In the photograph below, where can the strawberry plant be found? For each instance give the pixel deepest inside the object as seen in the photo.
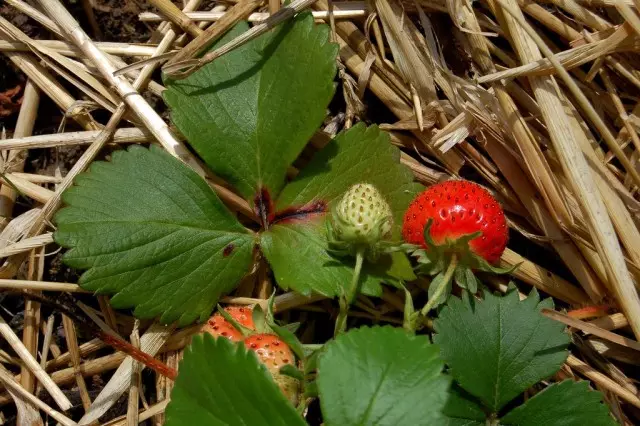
(153, 234)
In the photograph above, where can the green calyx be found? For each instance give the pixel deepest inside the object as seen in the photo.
(449, 262)
(436, 257)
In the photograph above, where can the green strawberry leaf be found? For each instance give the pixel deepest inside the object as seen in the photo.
(222, 383)
(381, 376)
(567, 403)
(499, 347)
(151, 231)
(250, 113)
(296, 244)
(359, 154)
(462, 410)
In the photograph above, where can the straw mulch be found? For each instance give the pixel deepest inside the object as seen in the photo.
(537, 100)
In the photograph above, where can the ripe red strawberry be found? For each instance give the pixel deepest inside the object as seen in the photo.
(217, 326)
(460, 228)
(458, 208)
(274, 354)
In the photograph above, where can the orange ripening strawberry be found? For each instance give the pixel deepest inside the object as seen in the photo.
(218, 326)
(458, 208)
(274, 354)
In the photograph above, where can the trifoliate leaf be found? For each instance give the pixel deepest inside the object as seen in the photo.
(151, 231)
(567, 403)
(222, 383)
(462, 410)
(382, 376)
(250, 113)
(296, 244)
(498, 347)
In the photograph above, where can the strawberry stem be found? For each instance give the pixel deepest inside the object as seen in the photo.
(346, 300)
(448, 275)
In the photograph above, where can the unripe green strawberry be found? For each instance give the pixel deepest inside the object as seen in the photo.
(362, 216)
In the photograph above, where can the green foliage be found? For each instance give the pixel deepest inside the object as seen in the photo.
(153, 233)
(297, 253)
(499, 347)
(462, 410)
(222, 383)
(249, 113)
(567, 403)
(360, 154)
(298, 250)
(381, 376)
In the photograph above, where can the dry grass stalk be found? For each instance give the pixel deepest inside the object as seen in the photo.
(26, 245)
(527, 42)
(146, 414)
(31, 363)
(615, 352)
(150, 342)
(171, 12)
(592, 329)
(342, 10)
(133, 415)
(46, 344)
(108, 313)
(408, 57)
(35, 14)
(40, 286)
(35, 178)
(542, 279)
(395, 102)
(63, 359)
(602, 380)
(609, 188)
(13, 161)
(31, 190)
(68, 49)
(121, 136)
(27, 414)
(31, 329)
(133, 99)
(8, 382)
(206, 38)
(70, 70)
(72, 344)
(610, 322)
(569, 59)
(594, 357)
(53, 347)
(50, 86)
